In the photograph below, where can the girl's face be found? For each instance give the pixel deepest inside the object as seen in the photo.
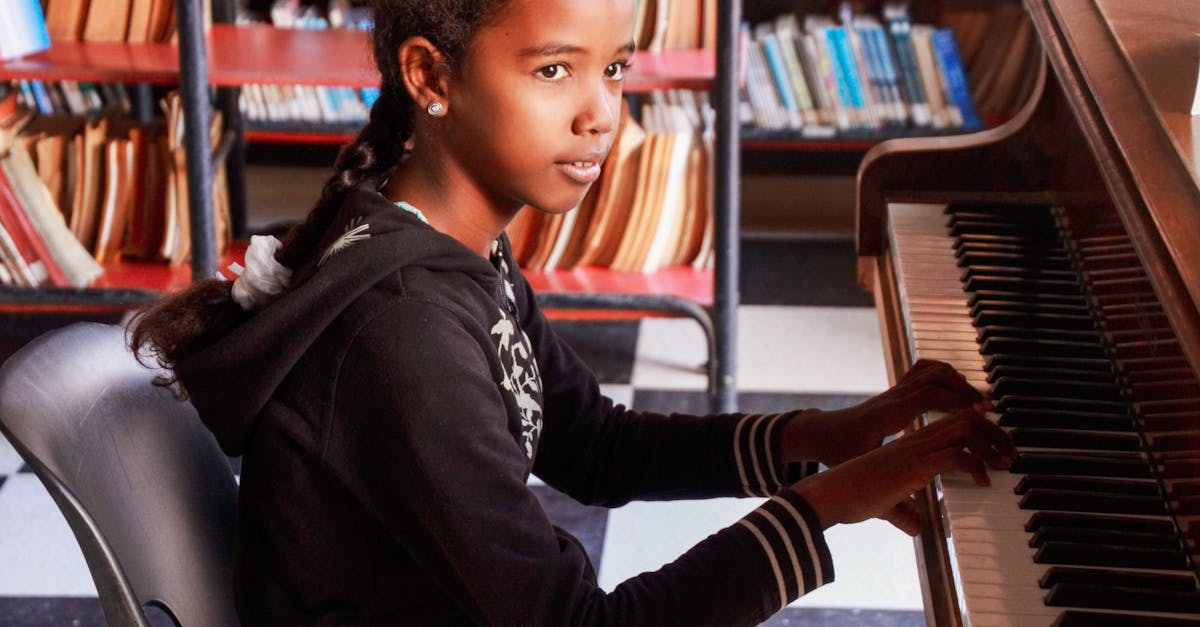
(536, 104)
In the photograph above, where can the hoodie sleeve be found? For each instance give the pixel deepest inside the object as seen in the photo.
(605, 454)
(423, 440)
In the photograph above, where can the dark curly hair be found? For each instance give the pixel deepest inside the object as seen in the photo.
(181, 325)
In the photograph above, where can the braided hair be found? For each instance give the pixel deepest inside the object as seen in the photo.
(182, 325)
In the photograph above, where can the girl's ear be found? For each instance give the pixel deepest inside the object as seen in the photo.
(424, 72)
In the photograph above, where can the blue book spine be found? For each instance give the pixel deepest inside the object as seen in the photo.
(945, 47)
(45, 105)
(22, 28)
(839, 74)
(770, 46)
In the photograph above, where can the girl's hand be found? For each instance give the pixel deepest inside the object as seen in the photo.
(832, 437)
(872, 484)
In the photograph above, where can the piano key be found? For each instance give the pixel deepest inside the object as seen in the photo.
(1095, 502)
(1123, 598)
(1048, 348)
(1060, 419)
(1056, 388)
(1022, 299)
(1040, 361)
(1012, 260)
(1146, 524)
(1096, 376)
(1013, 401)
(1099, 536)
(1086, 464)
(1099, 576)
(1084, 554)
(1032, 437)
(986, 332)
(982, 304)
(987, 317)
(1141, 487)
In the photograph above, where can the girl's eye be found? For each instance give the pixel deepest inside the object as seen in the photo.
(616, 71)
(553, 72)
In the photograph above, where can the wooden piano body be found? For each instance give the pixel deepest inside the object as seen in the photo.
(1107, 148)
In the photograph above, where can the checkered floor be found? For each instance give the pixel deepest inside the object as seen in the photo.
(832, 357)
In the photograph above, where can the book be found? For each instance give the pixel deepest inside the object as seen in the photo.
(954, 77)
(65, 19)
(22, 28)
(79, 268)
(107, 20)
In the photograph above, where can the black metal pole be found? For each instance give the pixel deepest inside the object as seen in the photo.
(225, 12)
(726, 294)
(193, 85)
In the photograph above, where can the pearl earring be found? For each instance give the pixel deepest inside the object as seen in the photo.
(435, 109)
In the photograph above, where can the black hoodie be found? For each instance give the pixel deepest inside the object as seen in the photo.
(390, 407)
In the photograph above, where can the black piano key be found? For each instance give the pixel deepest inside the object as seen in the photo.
(1079, 618)
(1139, 487)
(1123, 598)
(1085, 554)
(986, 332)
(1049, 348)
(1041, 361)
(1101, 577)
(983, 305)
(980, 282)
(1044, 242)
(1084, 464)
(1100, 536)
(1023, 299)
(1034, 273)
(1027, 437)
(971, 258)
(1012, 401)
(1090, 376)
(969, 228)
(1095, 502)
(1058, 419)
(1056, 388)
(1099, 521)
(1035, 320)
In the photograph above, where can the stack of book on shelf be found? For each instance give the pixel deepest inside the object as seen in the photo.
(650, 208)
(862, 75)
(78, 98)
(675, 25)
(338, 110)
(79, 192)
(135, 21)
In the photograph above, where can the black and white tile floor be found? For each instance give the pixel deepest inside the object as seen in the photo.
(808, 338)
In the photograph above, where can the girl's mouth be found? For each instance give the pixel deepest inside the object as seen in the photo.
(584, 172)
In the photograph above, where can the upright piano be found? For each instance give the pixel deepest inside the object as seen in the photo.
(1055, 261)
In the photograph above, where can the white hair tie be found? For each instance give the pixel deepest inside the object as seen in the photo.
(263, 278)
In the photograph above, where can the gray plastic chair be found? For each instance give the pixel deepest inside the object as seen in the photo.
(145, 488)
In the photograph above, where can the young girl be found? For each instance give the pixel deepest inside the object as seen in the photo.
(391, 383)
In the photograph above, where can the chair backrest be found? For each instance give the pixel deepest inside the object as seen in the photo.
(145, 488)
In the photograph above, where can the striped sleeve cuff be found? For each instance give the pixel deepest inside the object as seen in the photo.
(756, 442)
(790, 535)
